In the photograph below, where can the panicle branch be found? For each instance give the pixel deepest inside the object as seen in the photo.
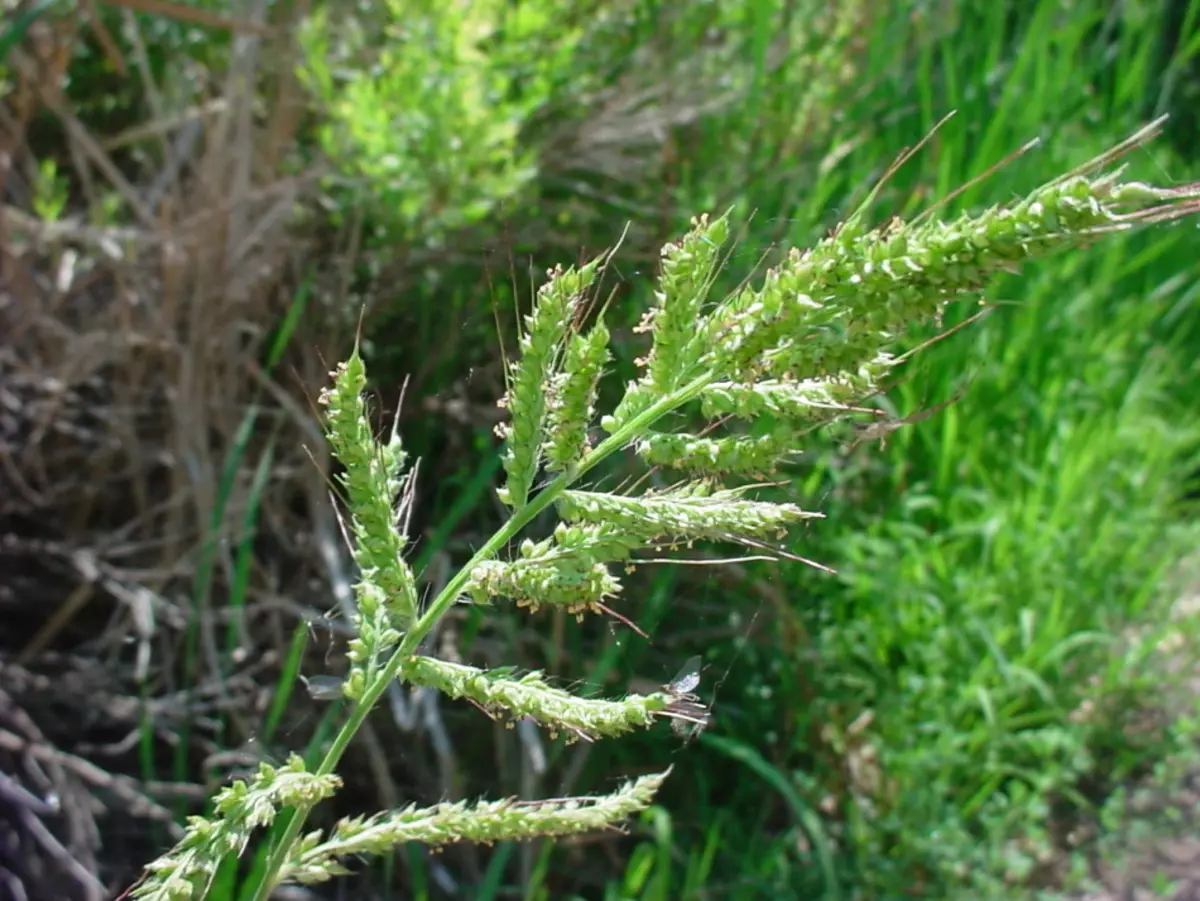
(487, 822)
(386, 592)
(690, 512)
(740, 455)
(534, 377)
(188, 870)
(832, 310)
(500, 694)
(568, 569)
(572, 398)
(675, 320)
(807, 400)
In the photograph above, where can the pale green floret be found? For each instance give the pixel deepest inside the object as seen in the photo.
(533, 374)
(573, 398)
(675, 320)
(736, 455)
(386, 592)
(530, 695)
(636, 399)
(485, 822)
(239, 809)
(574, 583)
(687, 272)
(810, 400)
(690, 512)
(565, 570)
(832, 309)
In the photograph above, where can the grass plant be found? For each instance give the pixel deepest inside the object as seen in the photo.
(807, 344)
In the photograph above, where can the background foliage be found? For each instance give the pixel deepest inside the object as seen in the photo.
(202, 199)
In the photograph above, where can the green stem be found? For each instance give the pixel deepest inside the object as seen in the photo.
(448, 595)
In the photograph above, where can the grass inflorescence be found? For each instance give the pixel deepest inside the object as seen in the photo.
(811, 342)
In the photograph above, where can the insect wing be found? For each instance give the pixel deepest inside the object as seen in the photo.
(324, 688)
(687, 680)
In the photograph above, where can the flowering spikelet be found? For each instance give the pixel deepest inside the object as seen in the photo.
(690, 512)
(831, 310)
(572, 398)
(793, 400)
(534, 373)
(734, 455)
(187, 871)
(485, 822)
(529, 695)
(386, 592)
(687, 271)
(565, 570)
(675, 319)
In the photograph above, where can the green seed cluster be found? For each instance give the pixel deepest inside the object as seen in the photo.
(833, 309)
(239, 809)
(572, 398)
(529, 695)
(687, 272)
(691, 512)
(485, 823)
(809, 400)
(386, 592)
(568, 569)
(684, 282)
(739, 455)
(533, 374)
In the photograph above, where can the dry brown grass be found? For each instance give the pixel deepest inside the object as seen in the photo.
(129, 358)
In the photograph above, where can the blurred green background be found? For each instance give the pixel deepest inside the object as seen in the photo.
(1002, 659)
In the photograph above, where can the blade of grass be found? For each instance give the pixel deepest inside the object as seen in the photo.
(235, 635)
(805, 816)
(288, 676)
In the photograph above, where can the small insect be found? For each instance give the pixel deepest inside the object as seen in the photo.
(324, 688)
(688, 715)
(882, 429)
